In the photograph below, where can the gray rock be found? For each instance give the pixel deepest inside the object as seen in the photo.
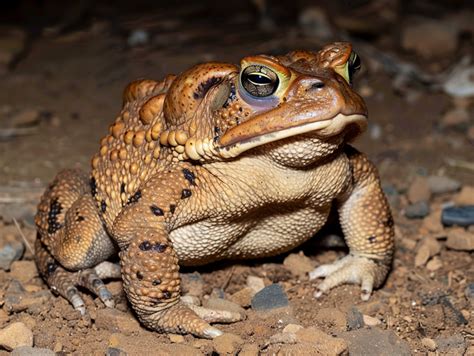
(270, 297)
(452, 345)
(442, 184)
(375, 342)
(417, 210)
(10, 251)
(469, 291)
(458, 215)
(355, 319)
(32, 351)
(113, 351)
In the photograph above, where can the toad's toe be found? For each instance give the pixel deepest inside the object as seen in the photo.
(350, 269)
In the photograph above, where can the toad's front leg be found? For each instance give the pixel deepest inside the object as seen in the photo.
(150, 269)
(367, 224)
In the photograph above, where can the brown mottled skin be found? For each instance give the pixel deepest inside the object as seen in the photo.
(220, 162)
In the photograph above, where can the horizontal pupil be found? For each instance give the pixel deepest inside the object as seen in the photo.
(259, 79)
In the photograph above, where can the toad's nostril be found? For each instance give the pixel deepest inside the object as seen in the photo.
(317, 85)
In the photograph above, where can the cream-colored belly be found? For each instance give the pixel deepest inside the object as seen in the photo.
(267, 232)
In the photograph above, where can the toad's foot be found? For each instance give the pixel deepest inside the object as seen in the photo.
(176, 318)
(65, 282)
(350, 269)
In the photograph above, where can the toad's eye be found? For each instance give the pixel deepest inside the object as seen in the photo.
(259, 81)
(353, 65)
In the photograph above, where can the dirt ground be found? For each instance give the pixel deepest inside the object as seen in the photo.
(60, 87)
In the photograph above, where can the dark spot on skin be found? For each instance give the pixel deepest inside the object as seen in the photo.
(217, 130)
(158, 247)
(145, 246)
(372, 239)
(189, 176)
(78, 238)
(122, 188)
(205, 86)
(186, 193)
(389, 222)
(166, 294)
(156, 282)
(139, 275)
(172, 208)
(55, 209)
(80, 218)
(50, 268)
(135, 197)
(103, 206)
(93, 186)
(156, 210)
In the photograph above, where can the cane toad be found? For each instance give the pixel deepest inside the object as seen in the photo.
(219, 162)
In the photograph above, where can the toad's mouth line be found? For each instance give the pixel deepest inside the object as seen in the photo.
(323, 128)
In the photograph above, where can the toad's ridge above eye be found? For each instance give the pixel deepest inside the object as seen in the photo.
(259, 81)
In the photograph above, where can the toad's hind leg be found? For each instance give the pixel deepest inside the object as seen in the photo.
(72, 243)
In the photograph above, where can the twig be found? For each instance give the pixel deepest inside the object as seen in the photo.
(9, 133)
(28, 246)
(229, 277)
(457, 163)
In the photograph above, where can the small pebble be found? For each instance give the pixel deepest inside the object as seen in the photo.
(355, 319)
(292, 328)
(469, 291)
(256, 283)
(243, 297)
(227, 344)
(16, 335)
(270, 297)
(176, 339)
(430, 344)
(371, 321)
(465, 196)
(460, 239)
(417, 210)
(113, 351)
(442, 185)
(434, 264)
(11, 249)
(419, 191)
(458, 215)
(298, 264)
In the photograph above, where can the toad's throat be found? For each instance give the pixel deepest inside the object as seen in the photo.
(234, 144)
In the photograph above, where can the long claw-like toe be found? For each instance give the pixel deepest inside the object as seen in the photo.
(350, 269)
(177, 318)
